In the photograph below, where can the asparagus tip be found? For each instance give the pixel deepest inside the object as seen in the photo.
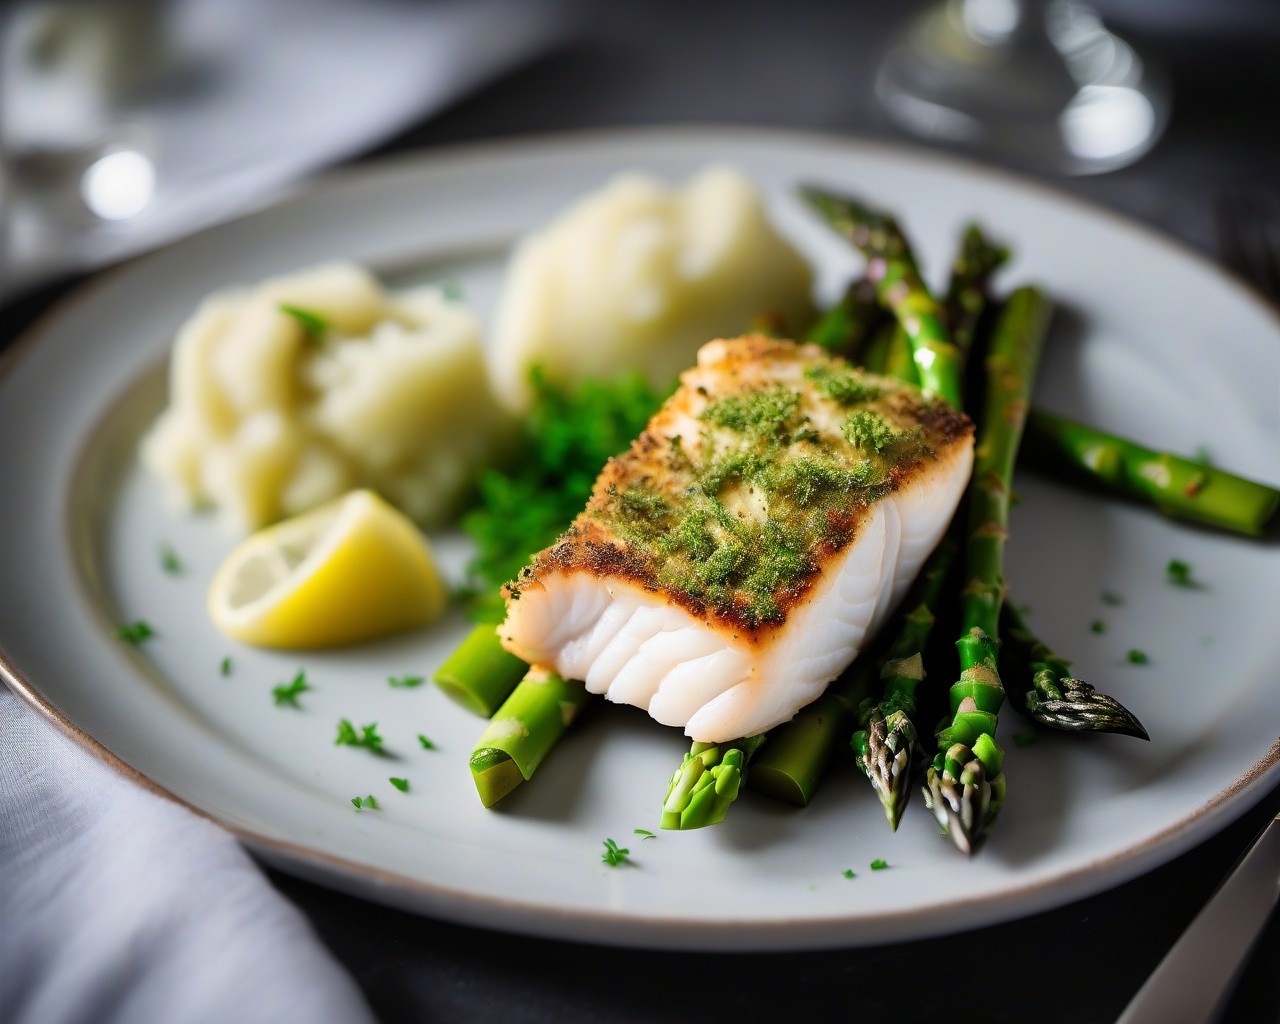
(887, 762)
(966, 808)
(1081, 708)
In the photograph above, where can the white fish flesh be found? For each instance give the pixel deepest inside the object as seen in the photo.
(734, 561)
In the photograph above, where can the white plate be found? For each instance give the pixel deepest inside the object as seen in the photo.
(1159, 346)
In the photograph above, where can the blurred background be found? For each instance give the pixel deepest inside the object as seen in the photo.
(127, 124)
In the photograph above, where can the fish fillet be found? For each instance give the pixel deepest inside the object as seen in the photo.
(737, 557)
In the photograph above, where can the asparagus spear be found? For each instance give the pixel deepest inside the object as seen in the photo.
(706, 783)
(847, 326)
(481, 673)
(965, 784)
(1055, 698)
(1180, 488)
(523, 731)
(968, 290)
(886, 742)
(891, 267)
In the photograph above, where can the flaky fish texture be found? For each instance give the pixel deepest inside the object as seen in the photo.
(736, 558)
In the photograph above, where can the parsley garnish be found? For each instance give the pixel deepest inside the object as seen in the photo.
(644, 833)
(1179, 573)
(225, 668)
(367, 736)
(288, 693)
(1137, 657)
(404, 682)
(425, 743)
(135, 633)
(849, 873)
(879, 865)
(614, 854)
(169, 560)
(1098, 626)
(1112, 598)
(400, 784)
(365, 803)
(311, 322)
(1024, 739)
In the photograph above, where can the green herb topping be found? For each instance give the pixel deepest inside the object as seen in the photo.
(1098, 626)
(644, 834)
(1179, 573)
(135, 634)
(365, 803)
(225, 667)
(1137, 657)
(400, 784)
(879, 865)
(312, 323)
(614, 854)
(841, 384)
(849, 873)
(367, 736)
(287, 694)
(169, 560)
(425, 743)
(404, 682)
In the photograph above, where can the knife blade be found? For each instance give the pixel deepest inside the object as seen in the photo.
(1192, 981)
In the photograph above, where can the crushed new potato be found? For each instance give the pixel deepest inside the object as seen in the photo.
(273, 412)
(639, 274)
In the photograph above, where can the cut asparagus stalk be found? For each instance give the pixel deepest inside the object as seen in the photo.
(790, 767)
(965, 784)
(891, 267)
(707, 783)
(481, 673)
(1040, 685)
(523, 731)
(1180, 488)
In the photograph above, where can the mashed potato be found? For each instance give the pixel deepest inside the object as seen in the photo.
(273, 412)
(641, 275)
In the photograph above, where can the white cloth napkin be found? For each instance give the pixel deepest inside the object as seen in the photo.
(117, 905)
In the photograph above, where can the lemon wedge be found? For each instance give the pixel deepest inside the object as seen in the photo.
(348, 571)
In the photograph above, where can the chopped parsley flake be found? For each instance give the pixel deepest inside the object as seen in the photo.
(367, 736)
(1098, 626)
(761, 414)
(365, 803)
(879, 865)
(1112, 598)
(404, 682)
(425, 743)
(288, 693)
(869, 431)
(135, 633)
(400, 784)
(225, 667)
(169, 560)
(1024, 739)
(614, 854)
(1137, 657)
(849, 873)
(841, 385)
(644, 834)
(1179, 573)
(312, 323)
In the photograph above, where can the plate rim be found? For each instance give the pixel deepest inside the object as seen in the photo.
(382, 885)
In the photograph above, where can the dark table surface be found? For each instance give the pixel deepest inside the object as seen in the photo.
(809, 65)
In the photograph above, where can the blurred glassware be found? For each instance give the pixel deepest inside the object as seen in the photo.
(127, 123)
(1043, 85)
